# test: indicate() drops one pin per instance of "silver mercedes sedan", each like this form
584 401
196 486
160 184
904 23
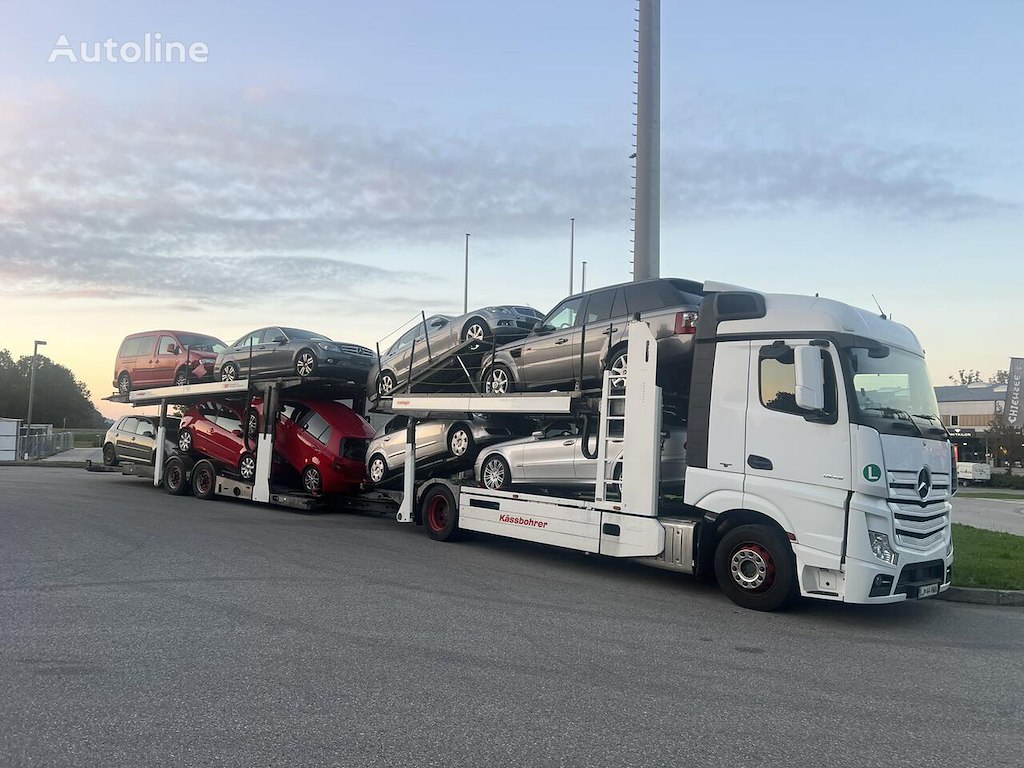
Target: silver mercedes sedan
553 458
436 336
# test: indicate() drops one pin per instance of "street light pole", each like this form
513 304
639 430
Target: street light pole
572 245
583 282
32 384
465 295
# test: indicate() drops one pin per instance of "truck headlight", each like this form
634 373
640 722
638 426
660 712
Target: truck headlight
881 547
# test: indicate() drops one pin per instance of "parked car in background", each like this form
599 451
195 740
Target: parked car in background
164 358
593 326
213 429
414 350
553 458
133 439
292 351
450 443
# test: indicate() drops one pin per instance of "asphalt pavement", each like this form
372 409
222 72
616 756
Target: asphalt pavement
1006 515
140 629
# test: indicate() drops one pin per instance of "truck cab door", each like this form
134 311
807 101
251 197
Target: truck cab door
796 461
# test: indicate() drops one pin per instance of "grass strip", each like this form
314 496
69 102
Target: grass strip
987 559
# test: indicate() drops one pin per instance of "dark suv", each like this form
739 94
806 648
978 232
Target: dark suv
592 326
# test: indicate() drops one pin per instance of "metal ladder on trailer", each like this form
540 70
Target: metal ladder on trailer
611 436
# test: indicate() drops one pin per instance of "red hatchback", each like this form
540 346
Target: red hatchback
325 442
214 430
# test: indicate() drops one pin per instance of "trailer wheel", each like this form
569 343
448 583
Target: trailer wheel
204 480
175 477
441 514
110 455
755 567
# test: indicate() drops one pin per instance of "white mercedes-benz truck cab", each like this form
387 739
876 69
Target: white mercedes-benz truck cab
816 422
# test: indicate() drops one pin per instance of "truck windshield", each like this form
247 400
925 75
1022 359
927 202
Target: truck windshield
893 394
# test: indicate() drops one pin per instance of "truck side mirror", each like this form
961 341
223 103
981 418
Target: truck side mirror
810 379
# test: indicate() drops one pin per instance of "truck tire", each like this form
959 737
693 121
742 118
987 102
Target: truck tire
755 567
204 480
441 514
176 477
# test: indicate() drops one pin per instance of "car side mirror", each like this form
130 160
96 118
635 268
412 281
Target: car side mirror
278 340
436 324
172 349
538 435
810 379
236 432
149 434
540 327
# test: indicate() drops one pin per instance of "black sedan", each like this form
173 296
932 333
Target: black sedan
292 351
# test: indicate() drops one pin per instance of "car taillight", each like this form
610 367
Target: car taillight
686 322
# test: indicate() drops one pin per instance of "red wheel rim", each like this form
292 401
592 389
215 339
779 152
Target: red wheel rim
752 567
438 513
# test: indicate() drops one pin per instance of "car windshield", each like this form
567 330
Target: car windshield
894 393
295 334
529 312
202 343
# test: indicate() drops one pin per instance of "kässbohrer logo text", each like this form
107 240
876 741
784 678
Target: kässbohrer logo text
529 522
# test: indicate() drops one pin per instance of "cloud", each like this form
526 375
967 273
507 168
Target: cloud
188 206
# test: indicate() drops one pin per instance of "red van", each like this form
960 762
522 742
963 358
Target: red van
163 358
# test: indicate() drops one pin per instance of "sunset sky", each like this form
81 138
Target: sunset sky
321 168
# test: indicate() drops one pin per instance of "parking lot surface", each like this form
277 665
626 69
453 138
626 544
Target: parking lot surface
140 629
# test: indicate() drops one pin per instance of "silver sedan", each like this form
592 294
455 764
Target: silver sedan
448 443
422 344
553 457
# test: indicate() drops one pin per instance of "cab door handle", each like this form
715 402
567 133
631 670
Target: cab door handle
759 462
561 341
569 442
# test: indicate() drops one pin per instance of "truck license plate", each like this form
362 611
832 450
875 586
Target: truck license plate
927 590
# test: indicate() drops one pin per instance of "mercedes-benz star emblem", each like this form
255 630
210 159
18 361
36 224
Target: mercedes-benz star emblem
924 482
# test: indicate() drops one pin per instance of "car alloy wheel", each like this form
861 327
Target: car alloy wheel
247 467
386 385
181 378
305 364
311 480
495 474
185 441
229 372
498 381
124 384
618 370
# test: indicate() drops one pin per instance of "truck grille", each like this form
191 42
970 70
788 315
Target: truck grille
920 527
903 485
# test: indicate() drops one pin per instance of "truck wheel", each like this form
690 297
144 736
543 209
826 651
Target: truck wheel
175 477
755 567
441 514
204 480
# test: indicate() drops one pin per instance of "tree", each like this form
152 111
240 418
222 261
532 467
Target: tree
1002 376
1005 442
59 397
964 377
